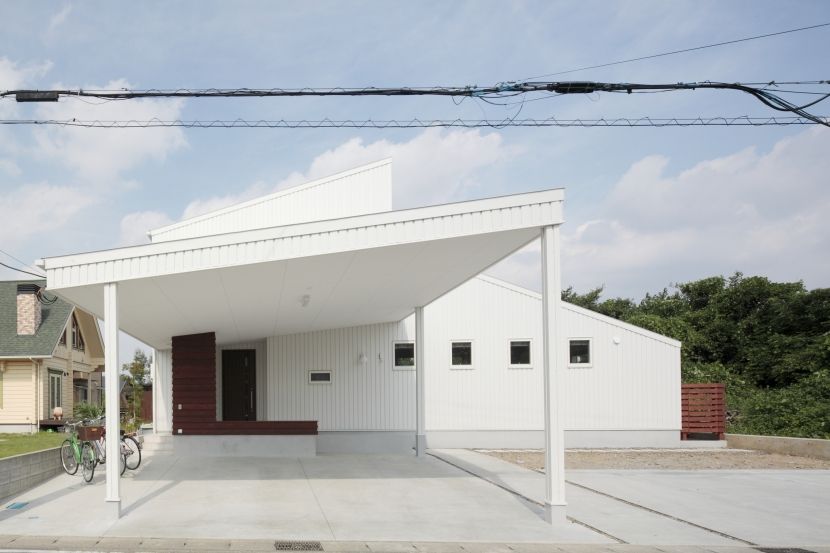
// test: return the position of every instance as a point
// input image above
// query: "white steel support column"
(112, 395)
(420, 400)
(153, 380)
(554, 367)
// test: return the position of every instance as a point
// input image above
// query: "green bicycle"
(85, 448)
(77, 451)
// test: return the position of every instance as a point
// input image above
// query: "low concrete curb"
(129, 545)
(803, 447)
(22, 472)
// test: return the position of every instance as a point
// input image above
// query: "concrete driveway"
(680, 507)
(329, 497)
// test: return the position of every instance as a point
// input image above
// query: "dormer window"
(77, 337)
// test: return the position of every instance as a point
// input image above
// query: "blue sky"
(645, 207)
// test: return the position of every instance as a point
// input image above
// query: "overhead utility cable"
(486, 93)
(21, 270)
(18, 260)
(683, 51)
(740, 121)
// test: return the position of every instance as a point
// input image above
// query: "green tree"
(768, 341)
(136, 374)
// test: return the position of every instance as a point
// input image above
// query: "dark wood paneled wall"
(194, 381)
(194, 388)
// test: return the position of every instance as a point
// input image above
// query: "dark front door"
(239, 385)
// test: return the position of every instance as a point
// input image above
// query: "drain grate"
(783, 550)
(17, 506)
(298, 546)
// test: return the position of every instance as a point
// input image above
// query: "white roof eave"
(518, 211)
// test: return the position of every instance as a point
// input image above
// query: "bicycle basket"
(89, 433)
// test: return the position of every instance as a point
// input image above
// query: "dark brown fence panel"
(703, 408)
(194, 381)
(147, 405)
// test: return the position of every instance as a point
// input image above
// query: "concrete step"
(157, 443)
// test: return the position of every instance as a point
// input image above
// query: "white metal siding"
(367, 189)
(163, 390)
(525, 211)
(361, 396)
(631, 386)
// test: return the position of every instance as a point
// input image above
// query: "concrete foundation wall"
(366, 442)
(22, 472)
(535, 439)
(805, 447)
(245, 446)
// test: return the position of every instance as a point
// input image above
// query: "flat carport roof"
(297, 278)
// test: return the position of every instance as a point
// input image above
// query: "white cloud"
(14, 75)
(433, 167)
(198, 207)
(134, 226)
(35, 209)
(756, 213)
(59, 18)
(100, 156)
(9, 167)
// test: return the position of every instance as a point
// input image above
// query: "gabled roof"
(43, 342)
(582, 311)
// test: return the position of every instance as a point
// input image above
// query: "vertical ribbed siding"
(631, 386)
(361, 396)
(358, 193)
(163, 390)
(634, 385)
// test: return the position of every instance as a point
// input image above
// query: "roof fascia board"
(63, 329)
(583, 311)
(269, 197)
(303, 230)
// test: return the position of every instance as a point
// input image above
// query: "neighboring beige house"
(51, 356)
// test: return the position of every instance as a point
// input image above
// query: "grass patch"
(16, 444)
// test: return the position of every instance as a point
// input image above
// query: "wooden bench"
(246, 428)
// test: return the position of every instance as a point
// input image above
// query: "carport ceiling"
(299, 295)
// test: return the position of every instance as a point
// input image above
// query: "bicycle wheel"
(122, 463)
(133, 451)
(68, 460)
(88, 461)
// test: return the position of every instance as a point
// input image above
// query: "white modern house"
(319, 320)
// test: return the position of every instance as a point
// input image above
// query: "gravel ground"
(673, 459)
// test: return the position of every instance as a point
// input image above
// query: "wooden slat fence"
(703, 408)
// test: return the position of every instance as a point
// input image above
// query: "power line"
(21, 270)
(684, 50)
(718, 121)
(498, 90)
(487, 94)
(17, 259)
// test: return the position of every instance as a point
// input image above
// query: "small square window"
(520, 353)
(404, 355)
(319, 377)
(580, 352)
(462, 354)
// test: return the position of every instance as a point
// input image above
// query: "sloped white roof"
(582, 311)
(309, 276)
(358, 191)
